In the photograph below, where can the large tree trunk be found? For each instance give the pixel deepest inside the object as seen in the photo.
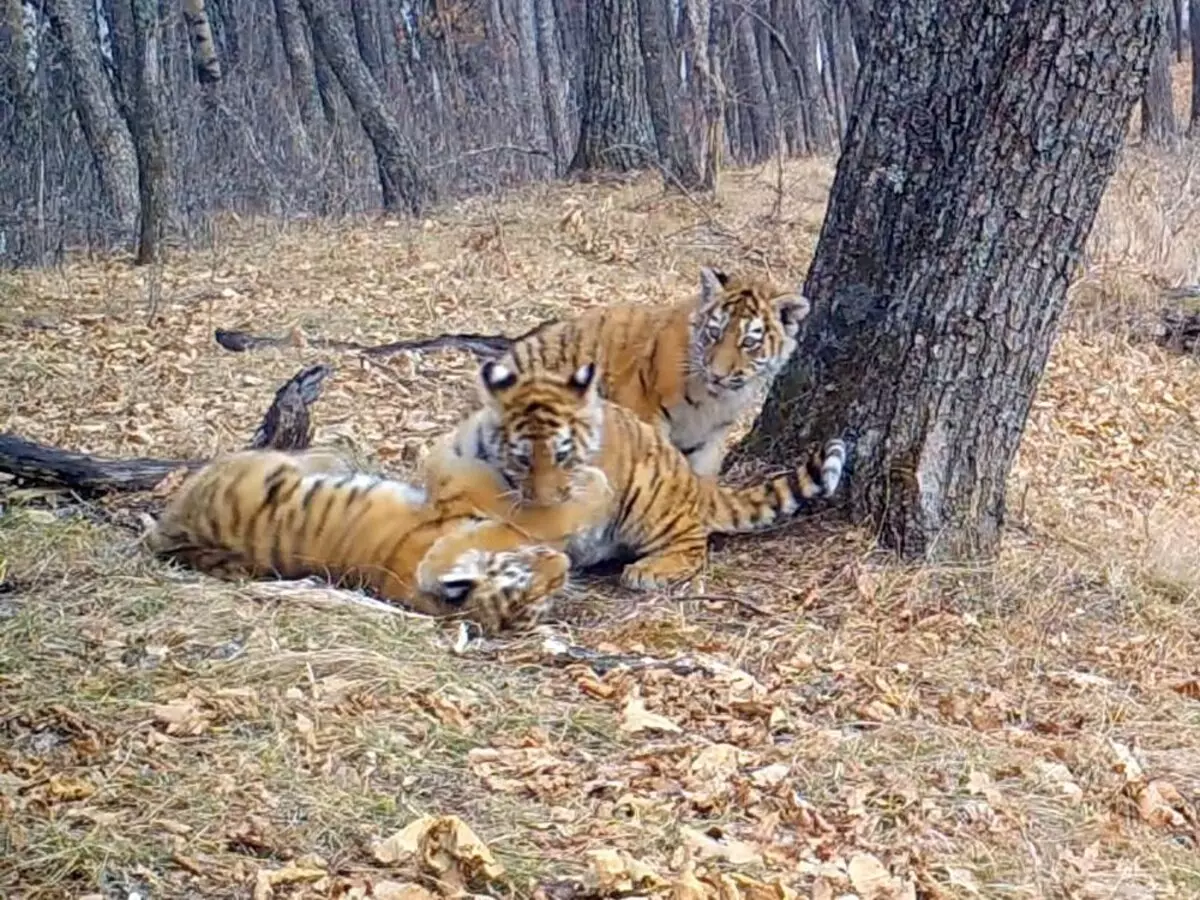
(1194, 34)
(554, 82)
(533, 107)
(204, 51)
(149, 131)
(26, 243)
(1158, 106)
(300, 62)
(615, 129)
(664, 93)
(107, 136)
(958, 211)
(404, 184)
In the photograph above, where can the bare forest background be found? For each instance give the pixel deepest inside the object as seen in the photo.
(137, 119)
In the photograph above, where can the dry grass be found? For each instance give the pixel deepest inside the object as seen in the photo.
(171, 735)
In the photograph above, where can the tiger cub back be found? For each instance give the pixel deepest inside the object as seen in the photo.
(691, 369)
(261, 513)
(539, 431)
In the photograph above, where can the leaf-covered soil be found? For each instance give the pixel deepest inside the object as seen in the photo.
(814, 721)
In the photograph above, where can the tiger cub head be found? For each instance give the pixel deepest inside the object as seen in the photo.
(743, 330)
(547, 429)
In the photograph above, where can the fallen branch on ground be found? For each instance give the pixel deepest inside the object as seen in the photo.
(486, 346)
(286, 426)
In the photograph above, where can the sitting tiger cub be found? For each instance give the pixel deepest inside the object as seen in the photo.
(537, 431)
(259, 513)
(690, 369)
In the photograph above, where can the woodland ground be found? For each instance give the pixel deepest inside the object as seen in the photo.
(1027, 730)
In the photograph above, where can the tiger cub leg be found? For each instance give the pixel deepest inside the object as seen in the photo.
(675, 558)
(706, 459)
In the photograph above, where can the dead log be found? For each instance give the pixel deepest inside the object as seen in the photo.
(1179, 331)
(286, 426)
(485, 346)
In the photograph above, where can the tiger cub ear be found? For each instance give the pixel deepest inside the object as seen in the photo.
(793, 309)
(582, 379)
(712, 283)
(496, 377)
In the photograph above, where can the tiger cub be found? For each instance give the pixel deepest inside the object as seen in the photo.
(258, 513)
(690, 369)
(538, 430)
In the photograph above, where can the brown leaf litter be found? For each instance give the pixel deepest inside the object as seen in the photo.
(855, 727)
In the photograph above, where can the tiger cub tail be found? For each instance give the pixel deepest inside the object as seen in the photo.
(729, 510)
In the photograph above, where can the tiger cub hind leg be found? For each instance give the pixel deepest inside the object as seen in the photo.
(497, 590)
(668, 562)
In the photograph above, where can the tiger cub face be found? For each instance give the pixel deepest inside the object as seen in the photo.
(547, 429)
(743, 330)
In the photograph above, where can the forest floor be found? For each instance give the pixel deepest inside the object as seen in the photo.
(819, 723)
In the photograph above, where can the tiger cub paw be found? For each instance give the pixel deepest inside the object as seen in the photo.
(659, 572)
(507, 589)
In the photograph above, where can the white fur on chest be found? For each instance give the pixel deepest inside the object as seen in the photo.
(695, 424)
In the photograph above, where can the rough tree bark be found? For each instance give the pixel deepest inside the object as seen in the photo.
(1177, 28)
(663, 91)
(107, 136)
(404, 184)
(554, 82)
(26, 242)
(204, 51)
(1194, 35)
(532, 103)
(961, 203)
(149, 131)
(1158, 105)
(300, 62)
(615, 132)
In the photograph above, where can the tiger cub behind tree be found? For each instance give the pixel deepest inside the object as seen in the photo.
(690, 369)
(537, 430)
(258, 513)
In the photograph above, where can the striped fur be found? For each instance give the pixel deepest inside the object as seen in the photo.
(690, 369)
(543, 433)
(262, 513)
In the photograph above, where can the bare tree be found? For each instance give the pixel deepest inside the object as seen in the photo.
(615, 128)
(940, 276)
(554, 82)
(204, 51)
(1194, 35)
(404, 184)
(662, 91)
(107, 135)
(149, 130)
(1158, 104)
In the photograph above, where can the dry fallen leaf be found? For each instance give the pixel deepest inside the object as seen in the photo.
(398, 890)
(268, 879)
(769, 776)
(737, 852)
(636, 718)
(1159, 804)
(445, 848)
(687, 886)
(616, 872)
(871, 879)
(181, 716)
(65, 789)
